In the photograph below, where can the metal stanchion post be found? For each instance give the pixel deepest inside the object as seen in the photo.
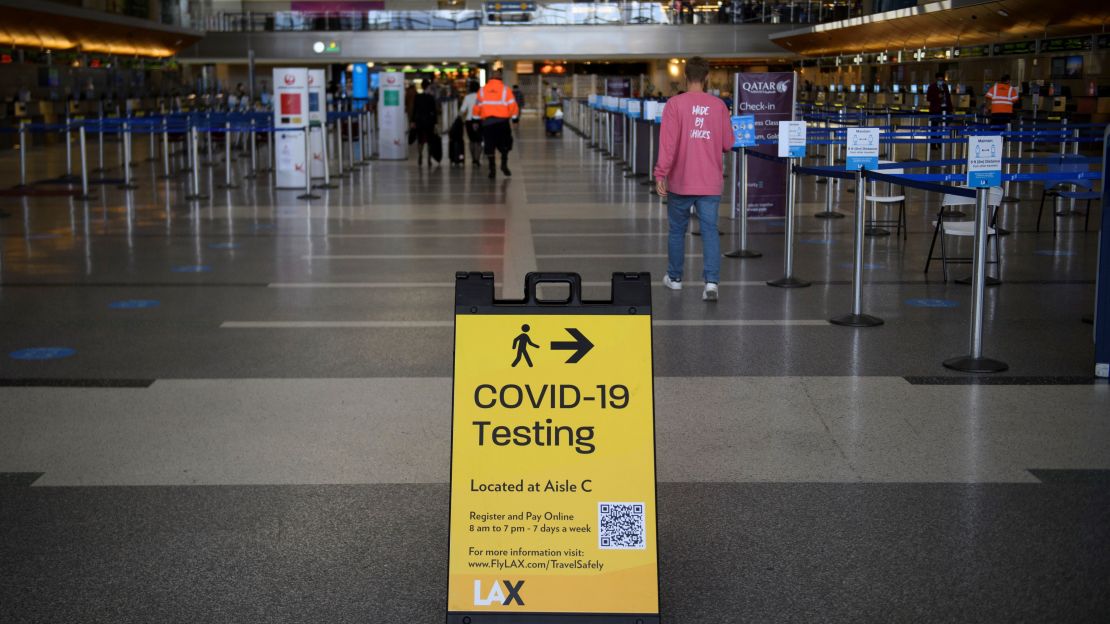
(165, 149)
(632, 161)
(69, 151)
(307, 168)
(339, 173)
(194, 154)
(857, 318)
(85, 196)
(253, 145)
(211, 162)
(228, 183)
(324, 151)
(788, 280)
(1007, 168)
(351, 143)
(22, 154)
(153, 157)
(740, 203)
(974, 362)
(100, 145)
(126, 139)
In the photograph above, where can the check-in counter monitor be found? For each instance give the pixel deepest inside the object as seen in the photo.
(1059, 104)
(898, 99)
(20, 109)
(963, 102)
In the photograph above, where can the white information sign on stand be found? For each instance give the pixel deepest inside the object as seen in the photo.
(792, 139)
(392, 121)
(291, 117)
(862, 149)
(984, 161)
(317, 115)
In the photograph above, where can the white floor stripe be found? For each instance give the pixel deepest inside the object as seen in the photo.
(400, 285)
(403, 257)
(438, 324)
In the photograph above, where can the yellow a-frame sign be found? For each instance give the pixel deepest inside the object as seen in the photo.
(553, 506)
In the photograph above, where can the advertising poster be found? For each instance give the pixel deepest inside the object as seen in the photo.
(553, 462)
(392, 120)
(290, 119)
(769, 97)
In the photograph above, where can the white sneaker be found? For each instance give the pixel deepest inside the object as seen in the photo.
(710, 293)
(672, 284)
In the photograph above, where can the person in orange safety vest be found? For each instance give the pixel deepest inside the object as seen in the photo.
(496, 106)
(1002, 97)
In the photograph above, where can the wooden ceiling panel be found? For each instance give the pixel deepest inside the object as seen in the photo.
(949, 23)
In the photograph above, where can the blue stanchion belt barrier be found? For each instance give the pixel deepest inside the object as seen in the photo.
(924, 182)
(827, 172)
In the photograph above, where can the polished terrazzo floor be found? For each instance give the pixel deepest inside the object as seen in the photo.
(253, 424)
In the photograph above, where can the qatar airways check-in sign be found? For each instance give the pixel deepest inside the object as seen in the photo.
(770, 98)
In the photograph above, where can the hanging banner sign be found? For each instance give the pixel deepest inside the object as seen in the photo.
(290, 119)
(553, 512)
(862, 149)
(792, 139)
(743, 130)
(984, 161)
(769, 96)
(392, 121)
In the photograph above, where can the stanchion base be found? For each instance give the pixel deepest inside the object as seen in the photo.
(968, 364)
(873, 231)
(307, 196)
(635, 175)
(325, 186)
(789, 282)
(743, 253)
(1088, 319)
(990, 281)
(857, 320)
(829, 214)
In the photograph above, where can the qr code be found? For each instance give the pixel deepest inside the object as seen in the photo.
(621, 526)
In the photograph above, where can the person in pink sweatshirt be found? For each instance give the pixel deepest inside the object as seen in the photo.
(696, 131)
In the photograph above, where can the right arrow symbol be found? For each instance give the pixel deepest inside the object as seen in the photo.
(581, 345)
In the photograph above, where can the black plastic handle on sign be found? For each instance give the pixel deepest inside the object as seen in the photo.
(533, 280)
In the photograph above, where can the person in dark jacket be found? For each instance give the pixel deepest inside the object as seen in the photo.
(424, 118)
(939, 97)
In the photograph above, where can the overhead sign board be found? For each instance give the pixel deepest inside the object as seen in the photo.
(792, 139)
(862, 149)
(553, 513)
(984, 161)
(1015, 47)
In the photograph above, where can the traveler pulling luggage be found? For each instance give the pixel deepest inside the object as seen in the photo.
(435, 148)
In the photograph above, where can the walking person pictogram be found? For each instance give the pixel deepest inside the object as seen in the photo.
(521, 344)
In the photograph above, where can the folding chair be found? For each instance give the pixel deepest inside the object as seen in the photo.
(874, 226)
(942, 228)
(1078, 189)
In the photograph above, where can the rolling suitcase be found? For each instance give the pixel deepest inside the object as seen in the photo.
(435, 147)
(456, 143)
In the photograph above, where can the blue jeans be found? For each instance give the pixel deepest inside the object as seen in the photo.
(678, 213)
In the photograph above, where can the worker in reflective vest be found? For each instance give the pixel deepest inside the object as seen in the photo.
(496, 107)
(1002, 97)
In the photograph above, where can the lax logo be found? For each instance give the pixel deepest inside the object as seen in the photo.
(496, 596)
